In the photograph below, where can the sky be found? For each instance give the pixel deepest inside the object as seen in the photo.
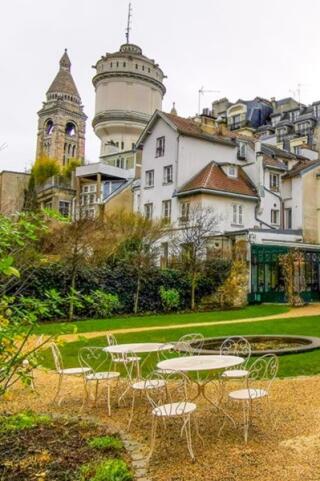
(241, 48)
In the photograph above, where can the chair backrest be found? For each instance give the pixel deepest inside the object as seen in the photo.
(263, 371)
(57, 358)
(236, 346)
(190, 343)
(165, 351)
(112, 341)
(175, 398)
(94, 358)
(130, 362)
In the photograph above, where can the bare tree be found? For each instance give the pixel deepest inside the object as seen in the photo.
(138, 245)
(189, 244)
(77, 244)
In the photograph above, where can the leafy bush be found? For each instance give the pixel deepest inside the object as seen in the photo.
(119, 279)
(109, 470)
(101, 304)
(24, 420)
(170, 298)
(105, 443)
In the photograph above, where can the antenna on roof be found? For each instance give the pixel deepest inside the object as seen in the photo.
(129, 22)
(202, 91)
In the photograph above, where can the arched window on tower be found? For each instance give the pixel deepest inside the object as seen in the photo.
(49, 127)
(74, 151)
(70, 129)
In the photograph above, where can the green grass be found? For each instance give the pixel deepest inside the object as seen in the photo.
(105, 443)
(93, 325)
(290, 365)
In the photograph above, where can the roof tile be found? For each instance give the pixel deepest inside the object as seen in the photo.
(212, 177)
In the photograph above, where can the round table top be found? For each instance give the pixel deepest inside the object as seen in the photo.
(138, 347)
(200, 363)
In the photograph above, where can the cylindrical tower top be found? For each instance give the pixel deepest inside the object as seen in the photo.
(129, 88)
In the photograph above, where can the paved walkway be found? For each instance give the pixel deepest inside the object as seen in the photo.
(306, 311)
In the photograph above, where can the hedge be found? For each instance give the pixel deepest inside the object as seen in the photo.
(119, 278)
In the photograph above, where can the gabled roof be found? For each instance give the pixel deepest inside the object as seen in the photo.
(302, 167)
(274, 163)
(63, 82)
(183, 126)
(272, 150)
(213, 178)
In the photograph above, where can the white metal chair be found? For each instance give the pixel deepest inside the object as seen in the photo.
(99, 363)
(163, 354)
(140, 386)
(236, 346)
(189, 344)
(119, 358)
(259, 381)
(61, 371)
(176, 407)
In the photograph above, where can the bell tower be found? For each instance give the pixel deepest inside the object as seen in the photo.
(62, 122)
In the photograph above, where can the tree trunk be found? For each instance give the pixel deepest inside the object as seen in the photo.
(72, 289)
(137, 295)
(193, 290)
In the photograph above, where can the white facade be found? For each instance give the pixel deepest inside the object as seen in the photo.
(129, 88)
(277, 205)
(187, 156)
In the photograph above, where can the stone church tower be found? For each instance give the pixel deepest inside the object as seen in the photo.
(62, 122)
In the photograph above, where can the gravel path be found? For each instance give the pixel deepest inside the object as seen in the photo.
(288, 452)
(310, 310)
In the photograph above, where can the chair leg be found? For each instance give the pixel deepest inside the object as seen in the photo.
(58, 390)
(246, 419)
(108, 400)
(132, 409)
(189, 440)
(96, 393)
(153, 437)
(198, 431)
(85, 392)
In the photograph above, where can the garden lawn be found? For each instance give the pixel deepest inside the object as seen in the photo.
(290, 365)
(127, 322)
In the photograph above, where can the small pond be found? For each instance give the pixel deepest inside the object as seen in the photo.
(273, 344)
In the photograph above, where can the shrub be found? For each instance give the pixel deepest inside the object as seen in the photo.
(101, 304)
(170, 298)
(105, 443)
(109, 470)
(24, 420)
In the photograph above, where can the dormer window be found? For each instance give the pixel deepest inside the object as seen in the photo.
(275, 120)
(242, 147)
(316, 111)
(303, 128)
(281, 133)
(294, 115)
(232, 171)
(274, 181)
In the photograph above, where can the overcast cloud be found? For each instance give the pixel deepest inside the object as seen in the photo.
(242, 48)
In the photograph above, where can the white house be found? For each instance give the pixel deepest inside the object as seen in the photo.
(182, 164)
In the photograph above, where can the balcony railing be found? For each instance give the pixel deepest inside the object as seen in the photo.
(56, 182)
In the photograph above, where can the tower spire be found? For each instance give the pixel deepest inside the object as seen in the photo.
(129, 22)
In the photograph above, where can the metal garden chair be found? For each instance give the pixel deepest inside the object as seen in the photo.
(176, 407)
(189, 344)
(140, 386)
(61, 371)
(259, 382)
(99, 364)
(236, 346)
